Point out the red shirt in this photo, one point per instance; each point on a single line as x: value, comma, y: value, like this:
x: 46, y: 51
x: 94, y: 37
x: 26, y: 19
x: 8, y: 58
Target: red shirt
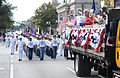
x: 89, y: 20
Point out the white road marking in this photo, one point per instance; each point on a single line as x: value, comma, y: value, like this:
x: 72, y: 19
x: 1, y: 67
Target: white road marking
x: 11, y: 68
x: 70, y: 69
x: 11, y: 71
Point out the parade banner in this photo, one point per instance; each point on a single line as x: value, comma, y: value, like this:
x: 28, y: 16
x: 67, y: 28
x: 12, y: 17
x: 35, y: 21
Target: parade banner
x: 68, y: 36
x: 84, y: 37
x: 96, y: 38
x: 75, y: 36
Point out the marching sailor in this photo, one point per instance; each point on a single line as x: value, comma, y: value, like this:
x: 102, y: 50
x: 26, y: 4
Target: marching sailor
x: 55, y: 44
x: 12, y: 45
x: 60, y: 46
x: 19, y: 46
x: 42, y: 44
x: 7, y: 39
x: 30, y: 46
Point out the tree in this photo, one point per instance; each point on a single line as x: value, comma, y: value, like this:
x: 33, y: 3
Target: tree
x: 45, y: 13
x: 6, y: 14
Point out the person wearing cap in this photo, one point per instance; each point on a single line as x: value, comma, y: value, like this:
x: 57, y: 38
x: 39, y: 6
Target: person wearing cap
x: 88, y: 20
x: 47, y: 46
x: 80, y: 17
x: 37, y: 47
x: 19, y: 46
x: 25, y: 39
x: 42, y: 44
x: 71, y: 21
x: 55, y: 44
x: 35, y: 43
x: 60, y: 41
x: 7, y: 39
x: 12, y: 45
x: 50, y: 47
x: 30, y: 46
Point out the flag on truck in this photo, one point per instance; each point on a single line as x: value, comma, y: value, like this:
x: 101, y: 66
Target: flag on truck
x: 84, y: 37
x: 96, y: 38
x: 75, y: 36
x: 62, y: 20
x: 93, y: 6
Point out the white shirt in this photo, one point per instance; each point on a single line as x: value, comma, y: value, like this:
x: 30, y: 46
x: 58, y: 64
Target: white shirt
x: 30, y: 44
x: 7, y: 39
x: 36, y: 42
x: 80, y: 19
x: 25, y: 40
x: 60, y: 42
x: 49, y: 44
x: 55, y: 42
x: 12, y: 41
x: 20, y: 44
x: 42, y: 43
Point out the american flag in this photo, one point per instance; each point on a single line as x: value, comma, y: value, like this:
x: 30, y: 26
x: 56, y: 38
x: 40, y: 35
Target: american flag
x: 62, y: 20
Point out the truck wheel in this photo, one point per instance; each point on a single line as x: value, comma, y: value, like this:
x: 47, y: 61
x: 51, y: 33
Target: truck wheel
x: 65, y: 53
x: 79, y: 65
x: 87, y: 66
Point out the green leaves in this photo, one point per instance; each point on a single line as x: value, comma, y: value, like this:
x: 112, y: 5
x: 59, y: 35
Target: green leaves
x: 6, y: 14
x: 46, y: 13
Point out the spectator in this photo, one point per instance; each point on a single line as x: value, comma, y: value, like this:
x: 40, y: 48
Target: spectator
x: 88, y: 19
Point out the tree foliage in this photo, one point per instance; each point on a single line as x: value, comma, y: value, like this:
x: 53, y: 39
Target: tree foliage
x: 6, y: 14
x: 45, y: 13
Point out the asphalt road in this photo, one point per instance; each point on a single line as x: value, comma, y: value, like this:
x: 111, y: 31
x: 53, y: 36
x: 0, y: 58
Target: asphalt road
x: 10, y: 67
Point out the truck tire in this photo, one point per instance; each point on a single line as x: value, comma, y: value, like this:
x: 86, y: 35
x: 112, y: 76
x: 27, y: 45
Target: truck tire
x: 87, y: 66
x: 79, y: 65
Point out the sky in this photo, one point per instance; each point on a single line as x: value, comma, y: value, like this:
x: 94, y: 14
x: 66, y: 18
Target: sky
x: 26, y: 8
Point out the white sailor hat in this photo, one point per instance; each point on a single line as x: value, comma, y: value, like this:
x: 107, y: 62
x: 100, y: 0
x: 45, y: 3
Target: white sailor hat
x: 79, y: 9
x: 86, y: 10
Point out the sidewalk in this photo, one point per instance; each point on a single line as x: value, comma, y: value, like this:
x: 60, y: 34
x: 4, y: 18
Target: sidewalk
x: 4, y: 61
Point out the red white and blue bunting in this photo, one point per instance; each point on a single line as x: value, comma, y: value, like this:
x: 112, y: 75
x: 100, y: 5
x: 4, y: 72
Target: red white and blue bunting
x: 75, y: 36
x: 95, y: 35
x: 67, y: 35
x: 84, y: 37
x: 96, y: 38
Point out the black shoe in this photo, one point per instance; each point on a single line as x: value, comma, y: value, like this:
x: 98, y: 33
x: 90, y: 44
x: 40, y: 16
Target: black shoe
x: 12, y: 53
x: 19, y: 60
x: 41, y: 59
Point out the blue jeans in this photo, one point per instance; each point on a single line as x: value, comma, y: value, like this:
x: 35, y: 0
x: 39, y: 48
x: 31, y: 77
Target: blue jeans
x: 35, y: 50
x: 30, y: 53
x: 42, y: 50
x: 25, y: 51
x: 38, y: 52
x: 54, y: 51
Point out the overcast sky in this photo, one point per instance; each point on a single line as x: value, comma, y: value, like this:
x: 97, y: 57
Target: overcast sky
x: 26, y: 8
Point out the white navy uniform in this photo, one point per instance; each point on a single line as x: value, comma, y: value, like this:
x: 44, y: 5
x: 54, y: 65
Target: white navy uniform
x: 7, y: 41
x: 12, y: 45
x: 60, y: 46
x: 20, y: 48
